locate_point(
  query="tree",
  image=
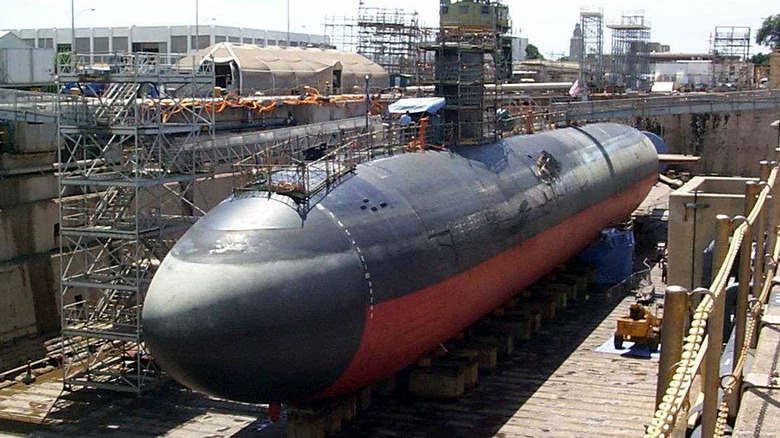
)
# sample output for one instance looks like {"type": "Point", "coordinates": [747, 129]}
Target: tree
{"type": "Point", "coordinates": [760, 59]}
{"type": "Point", "coordinates": [532, 52]}
{"type": "Point", "coordinates": [769, 34]}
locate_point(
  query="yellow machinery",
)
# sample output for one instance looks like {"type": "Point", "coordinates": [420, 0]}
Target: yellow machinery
{"type": "Point", "coordinates": [640, 327]}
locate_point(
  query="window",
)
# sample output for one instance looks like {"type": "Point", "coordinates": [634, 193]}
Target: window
{"type": "Point", "coordinates": [234, 39]}
{"type": "Point", "coordinates": [203, 40]}
{"type": "Point", "coordinates": [445, 10]}
{"type": "Point", "coordinates": [30, 41]}
{"type": "Point", "coordinates": [178, 44]}
{"type": "Point", "coordinates": [82, 45]}
{"type": "Point", "coordinates": [293, 43]}
{"type": "Point", "coordinates": [220, 38]}
{"type": "Point", "coordinates": [120, 44]}
{"type": "Point", "coordinates": [464, 9]}
{"type": "Point", "coordinates": [247, 40]}
{"type": "Point", "coordinates": [101, 45]}
{"type": "Point", "coordinates": [46, 43]}
{"type": "Point", "coordinates": [485, 9]}
{"type": "Point", "coordinates": [271, 42]}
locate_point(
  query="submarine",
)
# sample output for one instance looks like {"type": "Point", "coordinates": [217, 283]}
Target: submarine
{"type": "Point", "coordinates": [259, 304]}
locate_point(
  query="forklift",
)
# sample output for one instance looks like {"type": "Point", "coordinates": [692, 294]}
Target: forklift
{"type": "Point", "coordinates": [639, 326]}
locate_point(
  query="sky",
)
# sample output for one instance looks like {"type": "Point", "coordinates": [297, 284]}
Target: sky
{"type": "Point", "coordinates": [685, 25]}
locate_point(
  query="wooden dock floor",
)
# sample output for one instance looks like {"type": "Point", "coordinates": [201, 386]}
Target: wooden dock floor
{"type": "Point", "coordinates": [555, 385]}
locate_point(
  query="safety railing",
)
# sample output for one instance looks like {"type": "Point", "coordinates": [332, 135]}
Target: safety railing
{"type": "Point", "coordinates": [30, 106]}
{"type": "Point", "coordinates": [646, 106]}
{"type": "Point", "coordinates": [124, 64]}
{"type": "Point", "coordinates": [300, 168]}
{"type": "Point", "coordinates": [695, 352]}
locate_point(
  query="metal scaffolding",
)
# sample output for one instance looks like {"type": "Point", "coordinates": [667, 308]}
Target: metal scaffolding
{"type": "Point", "coordinates": [386, 36]}
{"type": "Point", "coordinates": [122, 147]}
{"type": "Point", "coordinates": [467, 57]}
{"type": "Point", "coordinates": [592, 59]}
{"type": "Point", "coordinates": [731, 50]}
{"type": "Point", "coordinates": [630, 64]}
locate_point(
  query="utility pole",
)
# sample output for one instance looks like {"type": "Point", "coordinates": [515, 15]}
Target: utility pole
{"type": "Point", "coordinates": [197, 29]}
{"type": "Point", "coordinates": [73, 27]}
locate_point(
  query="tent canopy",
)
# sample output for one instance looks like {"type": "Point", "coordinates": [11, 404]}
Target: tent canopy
{"type": "Point", "coordinates": [281, 69]}
{"type": "Point", "coordinates": [417, 105]}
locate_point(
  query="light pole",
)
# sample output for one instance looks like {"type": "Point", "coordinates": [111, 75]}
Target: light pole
{"type": "Point", "coordinates": [73, 16]}
{"type": "Point", "coordinates": [197, 27]}
{"type": "Point", "coordinates": [288, 23]}
{"type": "Point", "coordinates": [368, 102]}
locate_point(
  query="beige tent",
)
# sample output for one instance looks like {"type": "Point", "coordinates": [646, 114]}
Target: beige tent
{"type": "Point", "coordinates": [279, 70]}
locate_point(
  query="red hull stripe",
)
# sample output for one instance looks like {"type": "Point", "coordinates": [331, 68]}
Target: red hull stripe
{"type": "Point", "coordinates": [404, 328]}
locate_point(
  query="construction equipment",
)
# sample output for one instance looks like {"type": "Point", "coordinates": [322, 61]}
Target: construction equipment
{"type": "Point", "coordinates": [640, 327]}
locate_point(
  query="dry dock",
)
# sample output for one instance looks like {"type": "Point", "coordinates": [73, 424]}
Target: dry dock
{"type": "Point", "coordinates": [554, 385]}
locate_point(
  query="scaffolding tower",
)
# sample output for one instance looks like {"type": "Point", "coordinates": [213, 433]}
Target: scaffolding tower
{"type": "Point", "coordinates": [124, 151]}
{"type": "Point", "coordinates": [731, 50]}
{"type": "Point", "coordinates": [630, 63]}
{"type": "Point", "coordinates": [471, 57]}
{"type": "Point", "coordinates": [387, 36]}
{"type": "Point", "coordinates": [592, 59]}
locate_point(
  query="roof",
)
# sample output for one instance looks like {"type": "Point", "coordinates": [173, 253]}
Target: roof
{"type": "Point", "coordinates": [9, 40]}
{"type": "Point", "coordinates": [272, 58]}
{"type": "Point", "coordinates": [280, 67]}
{"type": "Point", "coordinates": [417, 105]}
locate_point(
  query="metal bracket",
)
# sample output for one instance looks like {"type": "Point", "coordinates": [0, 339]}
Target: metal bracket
{"type": "Point", "coordinates": [694, 205]}
{"type": "Point", "coordinates": [770, 320]}
{"type": "Point", "coordinates": [762, 381]}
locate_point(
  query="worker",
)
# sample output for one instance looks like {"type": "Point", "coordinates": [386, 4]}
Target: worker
{"type": "Point", "coordinates": [405, 121]}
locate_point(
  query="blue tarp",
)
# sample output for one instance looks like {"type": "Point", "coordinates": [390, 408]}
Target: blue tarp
{"type": "Point", "coordinates": [613, 255]}
{"type": "Point", "coordinates": [417, 105]}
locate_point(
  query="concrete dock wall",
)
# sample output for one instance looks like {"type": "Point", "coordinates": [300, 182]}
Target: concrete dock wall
{"type": "Point", "coordinates": [729, 144]}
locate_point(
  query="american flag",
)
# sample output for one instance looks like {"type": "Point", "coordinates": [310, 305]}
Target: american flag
{"type": "Point", "coordinates": [575, 89]}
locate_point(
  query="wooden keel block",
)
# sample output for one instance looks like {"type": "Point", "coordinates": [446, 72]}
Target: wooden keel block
{"type": "Point", "coordinates": [385, 386]}
{"type": "Point", "coordinates": [469, 365]}
{"type": "Point", "coordinates": [364, 399]}
{"type": "Point", "coordinates": [545, 306]}
{"type": "Point", "coordinates": [502, 339]}
{"type": "Point", "coordinates": [533, 316]}
{"type": "Point", "coordinates": [438, 382]}
{"type": "Point", "coordinates": [486, 355]}
{"type": "Point", "coordinates": [305, 425]}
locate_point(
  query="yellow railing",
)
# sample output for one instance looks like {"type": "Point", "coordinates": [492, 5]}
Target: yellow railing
{"type": "Point", "coordinates": [707, 319]}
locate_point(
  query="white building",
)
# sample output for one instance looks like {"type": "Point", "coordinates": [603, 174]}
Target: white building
{"type": "Point", "coordinates": [518, 48]}
{"type": "Point", "coordinates": [22, 65]}
{"type": "Point", "coordinates": [160, 39]}
{"type": "Point", "coordinates": [682, 73]}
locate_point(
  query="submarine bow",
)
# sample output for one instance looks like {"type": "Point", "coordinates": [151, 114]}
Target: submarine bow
{"type": "Point", "coordinates": [256, 304]}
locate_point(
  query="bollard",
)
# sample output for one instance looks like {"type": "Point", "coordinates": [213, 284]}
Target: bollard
{"type": "Point", "coordinates": [773, 212]}
{"type": "Point", "coordinates": [758, 269]}
{"type": "Point", "coordinates": [743, 293]}
{"type": "Point", "coordinates": [673, 328]}
{"type": "Point", "coordinates": [751, 190]}
{"type": "Point", "coordinates": [711, 375]}
{"type": "Point", "coordinates": [764, 166]}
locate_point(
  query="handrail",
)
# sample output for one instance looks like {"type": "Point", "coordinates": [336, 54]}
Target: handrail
{"type": "Point", "coordinates": [695, 345]}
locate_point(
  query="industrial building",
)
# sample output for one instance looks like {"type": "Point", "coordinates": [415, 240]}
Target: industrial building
{"type": "Point", "coordinates": [161, 39]}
